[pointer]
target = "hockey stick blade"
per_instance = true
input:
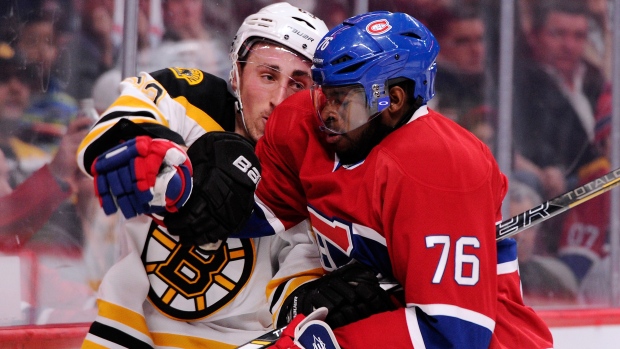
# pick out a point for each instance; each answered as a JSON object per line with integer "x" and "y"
{"x": 557, "y": 205}
{"x": 507, "y": 228}
{"x": 263, "y": 341}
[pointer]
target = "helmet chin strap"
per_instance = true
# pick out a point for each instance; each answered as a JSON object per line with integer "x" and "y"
{"x": 239, "y": 104}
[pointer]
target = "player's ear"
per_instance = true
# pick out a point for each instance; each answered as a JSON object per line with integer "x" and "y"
{"x": 234, "y": 75}
{"x": 398, "y": 100}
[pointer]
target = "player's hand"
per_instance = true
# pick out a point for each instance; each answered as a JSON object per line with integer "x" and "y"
{"x": 226, "y": 172}
{"x": 143, "y": 175}
{"x": 305, "y": 332}
{"x": 350, "y": 293}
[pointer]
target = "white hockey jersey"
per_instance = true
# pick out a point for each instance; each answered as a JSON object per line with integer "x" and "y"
{"x": 163, "y": 293}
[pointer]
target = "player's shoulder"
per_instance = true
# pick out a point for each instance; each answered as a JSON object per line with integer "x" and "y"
{"x": 293, "y": 115}
{"x": 433, "y": 148}
{"x": 191, "y": 83}
{"x": 205, "y": 91}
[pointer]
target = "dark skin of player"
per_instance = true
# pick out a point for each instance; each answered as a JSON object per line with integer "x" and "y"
{"x": 354, "y": 146}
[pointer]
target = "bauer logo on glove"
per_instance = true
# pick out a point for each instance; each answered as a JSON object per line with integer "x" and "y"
{"x": 226, "y": 172}
{"x": 143, "y": 175}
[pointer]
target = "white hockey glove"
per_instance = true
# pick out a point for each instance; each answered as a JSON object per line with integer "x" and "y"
{"x": 308, "y": 332}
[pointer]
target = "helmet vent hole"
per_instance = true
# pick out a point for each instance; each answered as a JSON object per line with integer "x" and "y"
{"x": 351, "y": 68}
{"x": 302, "y": 20}
{"x": 412, "y": 35}
{"x": 341, "y": 59}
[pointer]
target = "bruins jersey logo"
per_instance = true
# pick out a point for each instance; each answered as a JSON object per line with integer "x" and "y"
{"x": 191, "y": 75}
{"x": 188, "y": 284}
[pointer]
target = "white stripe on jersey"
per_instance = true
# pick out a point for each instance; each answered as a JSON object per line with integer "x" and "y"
{"x": 507, "y": 267}
{"x": 368, "y": 233}
{"x": 125, "y": 329}
{"x": 414, "y": 329}
{"x": 455, "y": 312}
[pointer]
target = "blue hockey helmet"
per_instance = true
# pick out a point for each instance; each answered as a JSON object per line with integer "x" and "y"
{"x": 358, "y": 58}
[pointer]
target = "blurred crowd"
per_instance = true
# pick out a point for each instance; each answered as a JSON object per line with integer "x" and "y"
{"x": 58, "y": 57}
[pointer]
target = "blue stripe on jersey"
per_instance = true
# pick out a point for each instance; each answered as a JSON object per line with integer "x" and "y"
{"x": 257, "y": 226}
{"x": 373, "y": 254}
{"x": 449, "y": 332}
{"x": 506, "y": 250}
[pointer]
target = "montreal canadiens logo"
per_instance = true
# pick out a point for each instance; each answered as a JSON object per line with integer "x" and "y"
{"x": 379, "y": 26}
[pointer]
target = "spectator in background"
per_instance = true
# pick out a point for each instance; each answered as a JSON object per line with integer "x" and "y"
{"x": 481, "y": 122}
{"x": 463, "y": 82}
{"x": 51, "y": 108}
{"x": 555, "y": 91}
{"x": 423, "y": 10}
{"x": 15, "y": 93}
{"x": 334, "y": 12}
{"x": 92, "y": 50}
{"x": 585, "y": 239}
{"x": 187, "y": 39}
{"x": 40, "y": 190}
{"x": 5, "y": 186}
{"x": 545, "y": 279}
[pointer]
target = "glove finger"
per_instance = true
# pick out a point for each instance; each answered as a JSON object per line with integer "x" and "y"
{"x": 320, "y": 300}
{"x": 345, "y": 291}
{"x": 125, "y": 178}
{"x": 116, "y": 157}
{"x": 126, "y": 206}
{"x": 102, "y": 191}
{"x": 115, "y": 184}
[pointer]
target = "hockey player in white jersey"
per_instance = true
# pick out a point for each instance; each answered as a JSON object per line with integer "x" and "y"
{"x": 174, "y": 155}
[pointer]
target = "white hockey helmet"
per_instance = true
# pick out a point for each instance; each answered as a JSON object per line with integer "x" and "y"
{"x": 281, "y": 23}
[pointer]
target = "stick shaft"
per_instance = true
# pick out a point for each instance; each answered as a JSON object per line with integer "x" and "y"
{"x": 557, "y": 205}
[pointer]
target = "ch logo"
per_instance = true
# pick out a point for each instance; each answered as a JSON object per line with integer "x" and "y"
{"x": 378, "y": 27}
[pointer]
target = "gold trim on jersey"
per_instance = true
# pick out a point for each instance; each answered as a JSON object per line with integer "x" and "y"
{"x": 187, "y": 283}
{"x": 203, "y": 119}
{"x": 184, "y": 341}
{"x": 191, "y": 75}
{"x": 123, "y": 316}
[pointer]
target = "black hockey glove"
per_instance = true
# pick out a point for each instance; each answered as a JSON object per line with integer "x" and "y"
{"x": 350, "y": 293}
{"x": 226, "y": 172}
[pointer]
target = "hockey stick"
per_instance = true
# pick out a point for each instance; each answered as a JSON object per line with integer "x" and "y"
{"x": 557, "y": 205}
{"x": 505, "y": 229}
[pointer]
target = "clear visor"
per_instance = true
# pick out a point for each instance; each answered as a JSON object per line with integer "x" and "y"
{"x": 342, "y": 109}
{"x": 278, "y": 67}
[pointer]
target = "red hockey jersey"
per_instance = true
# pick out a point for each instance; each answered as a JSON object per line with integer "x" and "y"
{"x": 420, "y": 208}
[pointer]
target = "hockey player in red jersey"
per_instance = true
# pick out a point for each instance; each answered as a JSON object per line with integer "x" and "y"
{"x": 390, "y": 184}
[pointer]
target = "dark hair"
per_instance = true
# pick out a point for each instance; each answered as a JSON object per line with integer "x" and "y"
{"x": 542, "y": 9}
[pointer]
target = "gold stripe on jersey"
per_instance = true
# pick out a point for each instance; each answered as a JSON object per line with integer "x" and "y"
{"x": 203, "y": 119}
{"x": 92, "y": 345}
{"x": 123, "y": 315}
{"x": 181, "y": 341}
{"x": 128, "y": 102}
